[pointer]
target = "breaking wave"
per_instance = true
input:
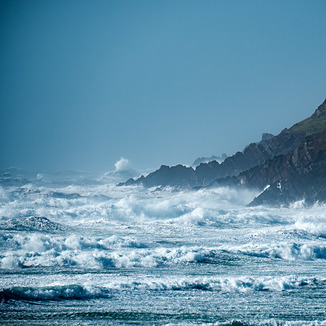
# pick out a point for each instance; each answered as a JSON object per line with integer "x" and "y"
{"x": 286, "y": 251}
{"x": 63, "y": 292}
{"x": 127, "y": 252}
{"x": 71, "y": 238}
{"x": 235, "y": 284}
{"x": 110, "y": 288}
{"x": 113, "y": 252}
{"x": 31, "y": 223}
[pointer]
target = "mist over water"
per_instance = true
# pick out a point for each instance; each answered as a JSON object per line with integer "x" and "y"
{"x": 77, "y": 249}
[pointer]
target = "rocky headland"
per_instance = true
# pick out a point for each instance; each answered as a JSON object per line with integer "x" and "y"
{"x": 287, "y": 167}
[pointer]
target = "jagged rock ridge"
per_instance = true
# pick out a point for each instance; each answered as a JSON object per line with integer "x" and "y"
{"x": 252, "y": 156}
{"x": 298, "y": 175}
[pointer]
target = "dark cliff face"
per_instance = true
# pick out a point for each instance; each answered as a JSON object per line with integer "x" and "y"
{"x": 256, "y": 153}
{"x": 298, "y": 175}
{"x": 270, "y": 147}
{"x": 260, "y": 155}
{"x": 301, "y": 174}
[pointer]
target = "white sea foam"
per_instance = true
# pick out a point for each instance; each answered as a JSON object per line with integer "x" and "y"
{"x": 288, "y": 251}
{"x": 106, "y": 287}
{"x": 36, "y": 249}
{"x": 93, "y": 240}
{"x": 75, "y": 204}
{"x": 122, "y": 165}
{"x": 238, "y": 284}
{"x": 113, "y": 252}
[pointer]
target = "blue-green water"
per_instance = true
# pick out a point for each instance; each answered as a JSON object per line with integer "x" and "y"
{"x": 85, "y": 252}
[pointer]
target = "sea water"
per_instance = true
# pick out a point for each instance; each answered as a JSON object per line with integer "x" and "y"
{"x": 83, "y": 251}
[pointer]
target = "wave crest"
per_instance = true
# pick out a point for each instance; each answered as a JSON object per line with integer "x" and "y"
{"x": 53, "y": 293}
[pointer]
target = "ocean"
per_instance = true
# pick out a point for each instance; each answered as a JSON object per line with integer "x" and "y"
{"x": 80, "y": 250}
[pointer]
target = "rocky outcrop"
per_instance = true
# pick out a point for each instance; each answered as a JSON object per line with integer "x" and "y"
{"x": 269, "y": 147}
{"x": 299, "y": 175}
{"x": 176, "y": 176}
{"x": 252, "y": 156}
{"x": 298, "y": 162}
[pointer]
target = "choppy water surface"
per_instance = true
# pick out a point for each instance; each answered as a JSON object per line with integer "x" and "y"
{"x": 85, "y": 252}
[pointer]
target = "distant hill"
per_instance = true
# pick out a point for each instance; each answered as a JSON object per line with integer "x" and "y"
{"x": 257, "y": 165}
{"x": 200, "y": 160}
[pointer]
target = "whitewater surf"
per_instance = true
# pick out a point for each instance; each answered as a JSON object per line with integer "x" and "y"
{"x": 82, "y": 251}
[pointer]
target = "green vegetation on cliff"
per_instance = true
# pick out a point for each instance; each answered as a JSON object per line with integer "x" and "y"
{"x": 314, "y": 124}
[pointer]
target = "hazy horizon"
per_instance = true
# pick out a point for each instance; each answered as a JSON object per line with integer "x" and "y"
{"x": 84, "y": 84}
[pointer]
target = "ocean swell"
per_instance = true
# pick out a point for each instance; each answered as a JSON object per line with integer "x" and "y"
{"x": 60, "y": 292}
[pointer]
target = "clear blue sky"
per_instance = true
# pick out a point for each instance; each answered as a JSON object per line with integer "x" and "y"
{"x": 83, "y": 83}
